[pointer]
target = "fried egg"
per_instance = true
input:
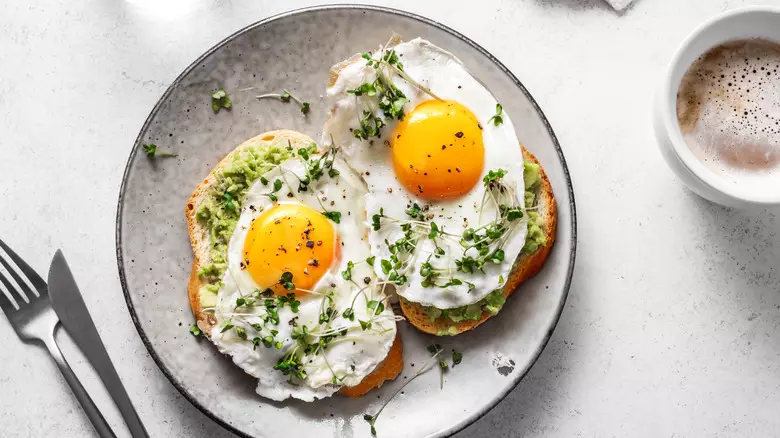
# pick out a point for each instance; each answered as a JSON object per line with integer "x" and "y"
{"x": 436, "y": 158}
{"x": 281, "y": 306}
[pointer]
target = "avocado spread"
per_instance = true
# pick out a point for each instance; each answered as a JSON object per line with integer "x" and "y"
{"x": 493, "y": 302}
{"x": 208, "y": 294}
{"x": 221, "y": 209}
{"x": 535, "y": 236}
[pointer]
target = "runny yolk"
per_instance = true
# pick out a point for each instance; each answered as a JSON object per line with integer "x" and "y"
{"x": 289, "y": 238}
{"x": 438, "y": 151}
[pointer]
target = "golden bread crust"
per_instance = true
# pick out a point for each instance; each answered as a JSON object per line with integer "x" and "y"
{"x": 389, "y": 369}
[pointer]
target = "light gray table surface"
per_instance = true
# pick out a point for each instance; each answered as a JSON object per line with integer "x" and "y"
{"x": 672, "y": 326}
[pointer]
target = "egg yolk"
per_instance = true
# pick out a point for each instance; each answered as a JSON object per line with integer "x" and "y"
{"x": 438, "y": 151}
{"x": 289, "y": 238}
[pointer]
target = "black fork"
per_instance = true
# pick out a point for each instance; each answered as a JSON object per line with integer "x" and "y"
{"x": 27, "y": 307}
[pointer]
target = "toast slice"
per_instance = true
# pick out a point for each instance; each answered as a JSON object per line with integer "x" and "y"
{"x": 200, "y": 239}
{"x": 525, "y": 267}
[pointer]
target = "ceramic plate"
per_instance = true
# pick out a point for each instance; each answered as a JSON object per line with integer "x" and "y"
{"x": 294, "y": 50}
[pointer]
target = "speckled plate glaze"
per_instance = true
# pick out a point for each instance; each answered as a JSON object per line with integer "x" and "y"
{"x": 295, "y": 50}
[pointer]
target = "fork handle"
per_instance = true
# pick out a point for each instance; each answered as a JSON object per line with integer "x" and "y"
{"x": 92, "y": 411}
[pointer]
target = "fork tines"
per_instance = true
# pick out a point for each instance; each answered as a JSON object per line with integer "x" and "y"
{"x": 15, "y": 277}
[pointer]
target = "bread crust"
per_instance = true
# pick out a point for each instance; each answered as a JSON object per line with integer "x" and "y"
{"x": 524, "y": 268}
{"x": 388, "y": 369}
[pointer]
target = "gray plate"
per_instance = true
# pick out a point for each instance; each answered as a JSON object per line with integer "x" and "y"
{"x": 295, "y": 50}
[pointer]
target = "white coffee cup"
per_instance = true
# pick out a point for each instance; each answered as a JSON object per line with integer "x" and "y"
{"x": 751, "y": 22}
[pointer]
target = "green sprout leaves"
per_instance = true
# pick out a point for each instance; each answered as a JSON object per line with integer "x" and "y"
{"x": 220, "y": 99}
{"x": 498, "y": 117}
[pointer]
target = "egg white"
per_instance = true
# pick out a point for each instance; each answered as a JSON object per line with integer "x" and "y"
{"x": 445, "y": 76}
{"x": 350, "y": 357}
{"x": 345, "y": 194}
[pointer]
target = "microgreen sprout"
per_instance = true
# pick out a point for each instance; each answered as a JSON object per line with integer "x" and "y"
{"x": 389, "y": 98}
{"x": 434, "y": 231}
{"x": 286, "y": 96}
{"x": 376, "y": 306}
{"x": 457, "y": 358}
{"x": 498, "y": 117}
{"x": 389, "y": 58}
{"x": 220, "y": 99}
{"x": 335, "y": 216}
{"x": 244, "y": 302}
{"x": 227, "y": 325}
{"x": 371, "y": 419}
{"x": 230, "y": 205}
{"x": 276, "y": 187}
{"x": 195, "y": 330}
{"x": 152, "y": 151}
{"x": 286, "y": 281}
{"x": 488, "y": 240}
{"x": 436, "y": 349}
{"x": 347, "y": 273}
{"x": 414, "y": 211}
{"x": 316, "y": 166}
{"x": 370, "y": 126}
{"x": 377, "y": 218}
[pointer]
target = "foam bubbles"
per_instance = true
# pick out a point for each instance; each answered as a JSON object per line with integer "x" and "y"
{"x": 728, "y": 108}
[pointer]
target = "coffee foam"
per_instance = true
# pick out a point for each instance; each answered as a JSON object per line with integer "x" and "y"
{"x": 728, "y": 108}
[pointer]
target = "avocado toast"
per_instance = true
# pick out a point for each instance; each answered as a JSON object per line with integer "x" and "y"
{"x": 212, "y": 213}
{"x": 539, "y": 242}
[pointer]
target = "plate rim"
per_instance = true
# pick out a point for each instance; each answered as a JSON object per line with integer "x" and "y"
{"x": 518, "y": 377}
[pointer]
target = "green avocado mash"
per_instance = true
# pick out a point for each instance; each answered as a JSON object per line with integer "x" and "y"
{"x": 219, "y": 213}
{"x": 451, "y": 330}
{"x": 535, "y": 236}
{"x": 493, "y": 302}
{"x": 208, "y": 294}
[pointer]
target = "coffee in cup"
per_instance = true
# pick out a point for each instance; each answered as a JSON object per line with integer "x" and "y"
{"x": 728, "y": 110}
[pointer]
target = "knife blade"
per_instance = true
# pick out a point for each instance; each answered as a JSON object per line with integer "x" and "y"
{"x": 73, "y": 313}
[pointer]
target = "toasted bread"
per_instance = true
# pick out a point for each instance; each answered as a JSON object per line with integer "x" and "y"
{"x": 201, "y": 248}
{"x": 525, "y": 266}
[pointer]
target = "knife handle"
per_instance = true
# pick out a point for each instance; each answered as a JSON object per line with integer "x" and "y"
{"x": 93, "y": 413}
{"x": 101, "y": 362}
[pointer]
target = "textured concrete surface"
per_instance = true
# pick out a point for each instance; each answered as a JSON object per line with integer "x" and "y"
{"x": 672, "y": 327}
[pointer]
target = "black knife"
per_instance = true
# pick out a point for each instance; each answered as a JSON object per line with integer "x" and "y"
{"x": 69, "y": 306}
